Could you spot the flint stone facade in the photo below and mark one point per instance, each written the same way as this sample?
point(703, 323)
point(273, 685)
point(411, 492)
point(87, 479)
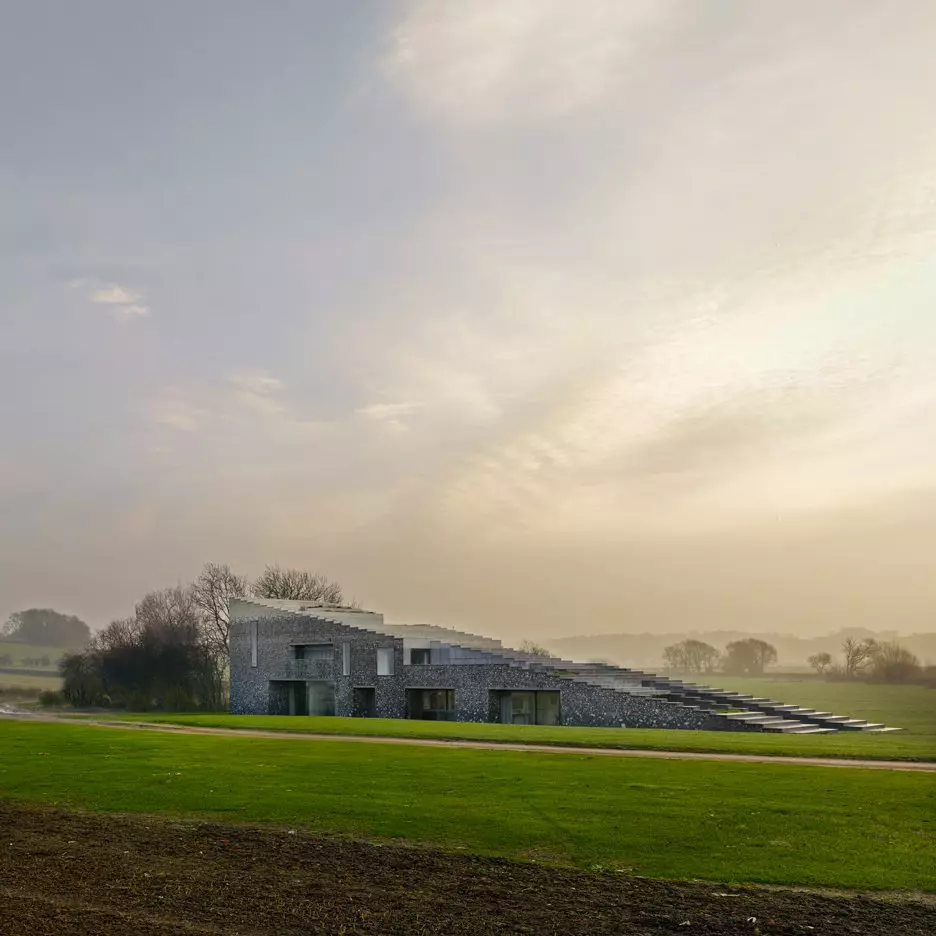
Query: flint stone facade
point(266, 678)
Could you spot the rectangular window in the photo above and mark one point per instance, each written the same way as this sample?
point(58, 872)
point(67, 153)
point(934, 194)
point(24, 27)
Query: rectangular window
point(317, 653)
point(252, 626)
point(346, 659)
point(385, 661)
point(530, 708)
point(431, 704)
point(420, 657)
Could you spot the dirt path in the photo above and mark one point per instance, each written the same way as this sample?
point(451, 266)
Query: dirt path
point(918, 766)
point(101, 875)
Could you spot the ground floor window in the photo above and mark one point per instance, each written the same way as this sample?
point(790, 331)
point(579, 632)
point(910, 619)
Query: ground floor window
point(528, 708)
point(309, 698)
point(364, 702)
point(431, 704)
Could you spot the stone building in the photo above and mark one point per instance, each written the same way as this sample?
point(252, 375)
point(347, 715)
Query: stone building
point(293, 658)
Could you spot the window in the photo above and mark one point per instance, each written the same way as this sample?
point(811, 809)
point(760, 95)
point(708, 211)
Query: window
point(530, 708)
point(321, 698)
point(385, 661)
point(316, 653)
point(431, 704)
point(346, 659)
point(419, 657)
point(252, 626)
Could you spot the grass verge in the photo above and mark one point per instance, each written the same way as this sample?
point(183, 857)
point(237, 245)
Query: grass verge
point(854, 745)
point(736, 822)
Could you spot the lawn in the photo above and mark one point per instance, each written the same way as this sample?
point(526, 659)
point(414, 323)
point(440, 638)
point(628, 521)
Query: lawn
point(736, 822)
point(912, 708)
point(897, 746)
point(9, 682)
point(19, 651)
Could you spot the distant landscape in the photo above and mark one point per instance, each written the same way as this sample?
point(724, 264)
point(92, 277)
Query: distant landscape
point(646, 650)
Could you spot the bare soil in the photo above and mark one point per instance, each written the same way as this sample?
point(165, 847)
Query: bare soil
point(64, 873)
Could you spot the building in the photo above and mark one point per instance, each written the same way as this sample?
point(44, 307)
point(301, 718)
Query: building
point(295, 658)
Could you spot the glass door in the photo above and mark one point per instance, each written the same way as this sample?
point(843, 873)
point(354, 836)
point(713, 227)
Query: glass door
point(521, 708)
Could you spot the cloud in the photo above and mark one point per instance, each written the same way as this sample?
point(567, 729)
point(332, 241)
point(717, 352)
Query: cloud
point(258, 381)
point(174, 411)
point(114, 294)
point(389, 412)
point(525, 58)
point(125, 302)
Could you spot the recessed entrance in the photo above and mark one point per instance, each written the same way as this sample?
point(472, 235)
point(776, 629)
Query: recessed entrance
point(364, 702)
point(310, 698)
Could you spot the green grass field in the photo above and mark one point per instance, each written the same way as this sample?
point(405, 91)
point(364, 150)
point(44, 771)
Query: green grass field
point(734, 822)
point(912, 708)
point(897, 746)
point(11, 681)
point(20, 651)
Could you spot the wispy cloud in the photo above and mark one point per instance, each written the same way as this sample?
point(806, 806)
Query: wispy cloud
point(174, 410)
point(257, 381)
point(388, 412)
point(124, 301)
point(525, 58)
point(114, 294)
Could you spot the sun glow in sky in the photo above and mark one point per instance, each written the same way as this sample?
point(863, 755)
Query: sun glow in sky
point(527, 317)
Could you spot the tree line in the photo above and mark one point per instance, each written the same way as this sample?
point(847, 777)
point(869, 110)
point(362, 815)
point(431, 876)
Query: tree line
point(46, 628)
point(172, 652)
point(880, 661)
point(748, 657)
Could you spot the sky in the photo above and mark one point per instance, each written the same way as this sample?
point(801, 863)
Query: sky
point(521, 316)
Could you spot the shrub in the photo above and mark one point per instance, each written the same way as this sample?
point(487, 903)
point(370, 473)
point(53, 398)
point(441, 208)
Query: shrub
point(894, 664)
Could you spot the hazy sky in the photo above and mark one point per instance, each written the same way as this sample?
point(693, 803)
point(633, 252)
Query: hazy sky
point(526, 316)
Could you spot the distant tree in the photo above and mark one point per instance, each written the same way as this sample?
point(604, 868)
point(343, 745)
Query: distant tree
point(46, 628)
point(6, 659)
point(820, 662)
point(859, 654)
point(159, 658)
point(690, 656)
point(674, 658)
point(748, 657)
point(533, 648)
point(296, 585)
point(894, 664)
point(212, 592)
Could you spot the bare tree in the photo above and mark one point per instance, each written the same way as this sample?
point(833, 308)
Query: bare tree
point(674, 658)
point(533, 648)
point(296, 585)
point(212, 592)
point(691, 656)
point(894, 664)
point(820, 662)
point(858, 654)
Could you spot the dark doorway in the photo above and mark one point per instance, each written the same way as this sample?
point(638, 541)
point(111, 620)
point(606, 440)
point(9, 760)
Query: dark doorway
point(364, 703)
point(298, 699)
